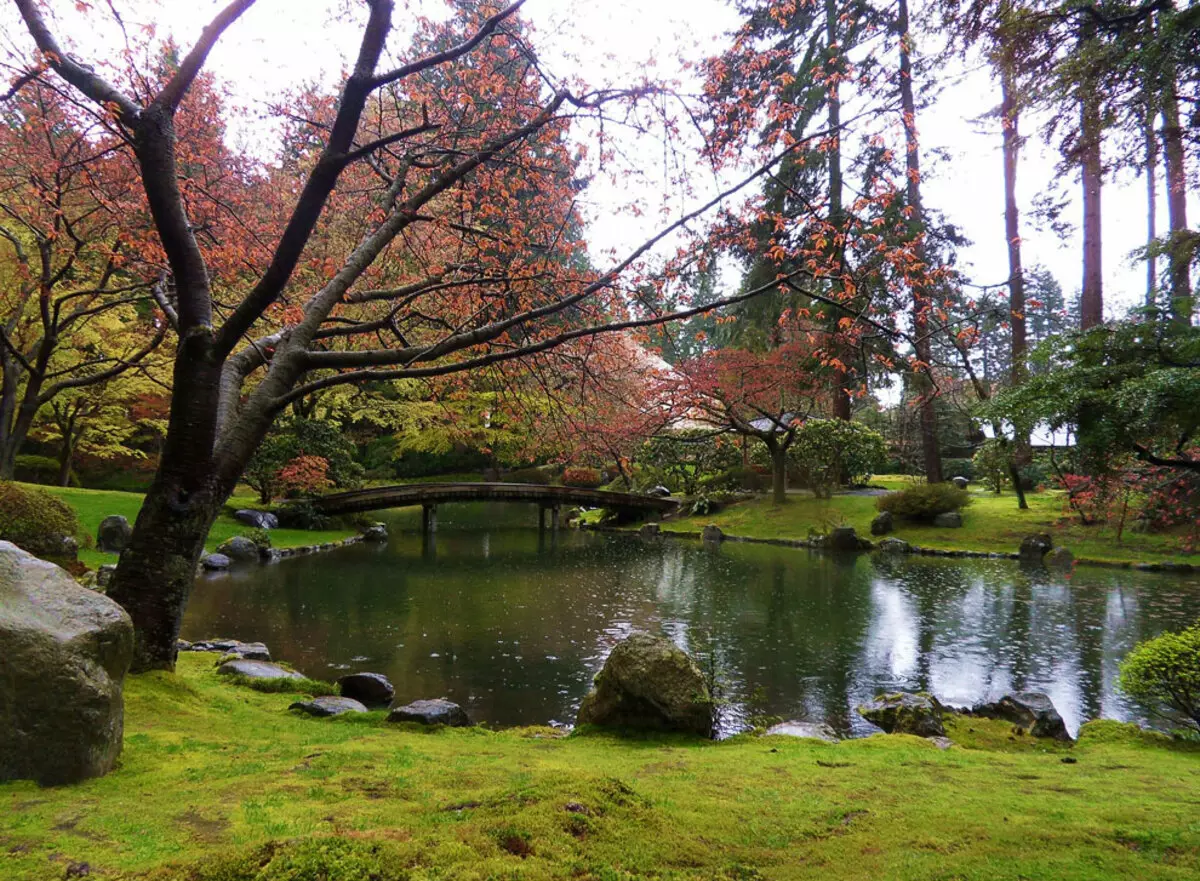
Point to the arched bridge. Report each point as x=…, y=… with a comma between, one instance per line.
x=430, y=495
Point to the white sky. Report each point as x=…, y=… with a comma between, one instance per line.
x=281, y=42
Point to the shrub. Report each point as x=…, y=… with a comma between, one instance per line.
x=829, y=450
x=36, y=469
x=302, y=514
x=1033, y=475
x=304, y=476
x=991, y=463
x=924, y=501
x=260, y=537
x=35, y=520
x=958, y=468
x=1164, y=674
x=739, y=478
x=537, y=476
x=589, y=478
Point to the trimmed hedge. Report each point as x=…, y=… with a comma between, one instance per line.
x=924, y=501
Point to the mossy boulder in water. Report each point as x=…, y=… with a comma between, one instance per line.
x=903, y=713
x=649, y=683
x=64, y=652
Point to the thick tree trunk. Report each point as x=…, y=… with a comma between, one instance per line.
x=1178, y=251
x=778, y=470
x=930, y=451
x=1010, y=119
x=1091, y=301
x=841, y=377
x=1151, y=206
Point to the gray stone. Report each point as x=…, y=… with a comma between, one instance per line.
x=813, y=730
x=113, y=534
x=257, y=670
x=949, y=520
x=370, y=688
x=1035, y=547
x=883, y=523
x=438, y=711
x=904, y=713
x=648, y=682
x=1032, y=710
x=960, y=482
x=257, y=519
x=65, y=654
x=215, y=562
x=376, y=532
x=894, y=546
x=650, y=530
x=941, y=742
x=712, y=533
x=329, y=706
x=244, y=651
x=104, y=575
x=240, y=548
x=842, y=538
x=1059, y=558
x=658, y=492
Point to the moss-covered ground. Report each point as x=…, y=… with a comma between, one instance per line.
x=92, y=506
x=222, y=783
x=991, y=523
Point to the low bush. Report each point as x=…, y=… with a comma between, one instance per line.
x=34, y=520
x=260, y=537
x=36, y=469
x=538, y=476
x=924, y=501
x=1164, y=674
x=731, y=479
x=302, y=514
x=588, y=478
x=1034, y=475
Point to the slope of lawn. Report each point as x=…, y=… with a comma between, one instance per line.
x=991, y=523
x=92, y=506
x=222, y=783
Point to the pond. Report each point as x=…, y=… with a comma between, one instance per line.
x=513, y=626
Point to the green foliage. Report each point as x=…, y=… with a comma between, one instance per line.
x=681, y=459
x=260, y=537
x=302, y=437
x=710, y=502
x=33, y=519
x=827, y=451
x=36, y=469
x=1164, y=673
x=991, y=463
x=924, y=501
x=536, y=476
x=739, y=478
x=302, y=514
x=956, y=468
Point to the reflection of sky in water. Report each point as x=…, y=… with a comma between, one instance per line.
x=515, y=628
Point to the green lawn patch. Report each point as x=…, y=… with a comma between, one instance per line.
x=222, y=783
x=92, y=506
x=991, y=524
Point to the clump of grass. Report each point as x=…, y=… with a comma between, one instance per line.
x=313, y=687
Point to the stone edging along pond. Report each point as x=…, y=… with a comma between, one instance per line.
x=818, y=544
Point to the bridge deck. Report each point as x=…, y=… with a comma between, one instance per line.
x=377, y=498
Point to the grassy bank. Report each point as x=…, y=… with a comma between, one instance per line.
x=222, y=783
x=92, y=506
x=991, y=523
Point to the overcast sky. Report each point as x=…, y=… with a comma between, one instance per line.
x=281, y=42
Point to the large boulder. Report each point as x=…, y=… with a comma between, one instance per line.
x=843, y=539
x=239, y=548
x=1035, y=547
x=372, y=689
x=712, y=533
x=650, y=683
x=438, y=711
x=215, y=562
x=813, y=730
x=376, y=532
x=1032, y=710
x=64, y=652
x=883, y=523
x=257, y=670
x=113, y=534
x=904, y=713
x=1059, y=558
x=894, y=546
x=257, y=519
x=949, y=520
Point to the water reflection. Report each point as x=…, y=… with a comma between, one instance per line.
x=514, y=626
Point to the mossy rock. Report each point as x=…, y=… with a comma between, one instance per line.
x=904, y=713
x=649, y=683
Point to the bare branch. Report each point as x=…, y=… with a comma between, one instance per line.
x=174, y=91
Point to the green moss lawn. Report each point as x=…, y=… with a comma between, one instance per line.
x=991, y=523
x=222, y=783
x=93, y=505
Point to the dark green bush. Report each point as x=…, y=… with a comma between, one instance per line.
x=36, y=469
x=958, y=468
x=302, y=514
x=924, y=501
x=261, y=537
x=1034, y=475
x=1164, y=674
x=35, y=520
x=539, y=476
x=739, y=478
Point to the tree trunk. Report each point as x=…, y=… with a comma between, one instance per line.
x=1179, y=251
x=778, y=472
x=1091, y=301
x=841, y=377
x=921, y=302
x=1151, y=206
x=66, y=454
x=1010, y=119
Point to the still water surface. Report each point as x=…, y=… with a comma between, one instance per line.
x=514, y=628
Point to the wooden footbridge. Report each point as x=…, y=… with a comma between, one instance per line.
x=430, y=495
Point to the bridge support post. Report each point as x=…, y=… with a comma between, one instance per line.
x=428, y=519
x=554, y=518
